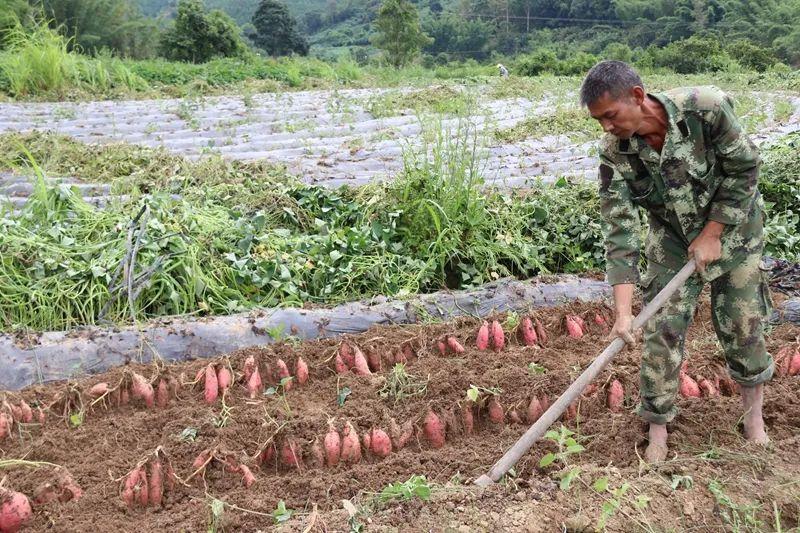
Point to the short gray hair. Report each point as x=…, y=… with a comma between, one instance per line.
x=613, y=77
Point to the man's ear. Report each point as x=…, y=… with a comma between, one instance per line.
x=637, y=94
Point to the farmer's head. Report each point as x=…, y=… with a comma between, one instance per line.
x=613, y=92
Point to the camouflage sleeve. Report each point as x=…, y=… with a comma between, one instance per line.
x=621, y=226
x=739, y=161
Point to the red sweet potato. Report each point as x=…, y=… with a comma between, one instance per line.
x=688, y=387
x=545, y=402
x=513, y=417
x=534, y=410
x=400, y=435
x=380, y=443
x=15, y=510
x=98, y=389
x=434, y=429
x=142, y=389
x=527, y=332
x=541, y=333
x=144, y=489
x=301, y=371
x=408, y=352
x=224, y=377
x=339, y=364
x=482, y=340
x=590, y=390
x=366, y=442
x=374, y=360
x=40, y=415
x=616, y=395
x=498, y=336
x=162, y=393
x=16, y=412
x=794, y=365
x=351, y=446
x=467, y=418
x=124, y=396
x=454, y=345
x=249, y=367
x=291, y=454
x=6, y=422
x=26, y=412
x=442, y=347
x=156, y=488
x=248, y=478
x=496, y=414
x=283, y=373
x=571, y=412
x=201, y=460
x=347, y=354
x=254, y=383
x=783, y=360
x=266, y=455
x=129, y=487
x=599, y=320
x=573, y=328
x=333, y=446
x=211, y=385
x=360, y=365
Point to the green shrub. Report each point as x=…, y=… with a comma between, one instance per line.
x=198, y=36
x=751, y=55
x=692, y=55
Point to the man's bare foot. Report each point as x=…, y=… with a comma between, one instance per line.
x=656, y=451
x=752, y=400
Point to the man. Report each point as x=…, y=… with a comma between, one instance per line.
x=682, y=156
x=503, y=70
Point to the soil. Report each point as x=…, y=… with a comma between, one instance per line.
x=713, y=480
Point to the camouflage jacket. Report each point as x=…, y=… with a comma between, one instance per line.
x=708, y=170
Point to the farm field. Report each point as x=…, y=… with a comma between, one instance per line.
x=419, y=473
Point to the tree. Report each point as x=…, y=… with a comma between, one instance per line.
x=276, y=30
x=398, y=32
x=199, y=36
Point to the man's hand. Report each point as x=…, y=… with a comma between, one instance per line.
x=707, y=247
x=622, y=329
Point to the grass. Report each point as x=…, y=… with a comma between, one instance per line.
x=573, y=122
x=440, y=99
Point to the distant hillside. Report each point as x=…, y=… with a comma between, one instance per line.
x=240, y=10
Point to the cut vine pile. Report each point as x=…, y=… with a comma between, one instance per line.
x=149, y=446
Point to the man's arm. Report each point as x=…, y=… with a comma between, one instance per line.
x=621, y=226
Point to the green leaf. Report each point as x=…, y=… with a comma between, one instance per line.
x=270, y=391
x=601, y=484
x=217, y=508
x=342, y=396
x=566, y=481
x=76, y=419
x=547, y=460
x=552, y=435
x=575, y=448
x=642, y=501
x=286, y=380
x=473, y=393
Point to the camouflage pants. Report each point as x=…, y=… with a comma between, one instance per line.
x=740, y=303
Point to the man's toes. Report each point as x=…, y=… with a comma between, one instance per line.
x=655, y=453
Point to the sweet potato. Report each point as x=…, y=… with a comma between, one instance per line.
x=688, y=387
x=590, y=390
x=129, y=487
x=248, y=478
x=727, y=386
x=496, y=414
x=573, y=328
x=541, y=333
x=224, y=378
x=162, y=393
x=333, y=446
x=249, y=367
x=16, y=412
x=599, y=320
x=317, y=455
x=254, y=383
x=442, y=347
x=6, y=422
x=201, y=460
x=467, y=418
x=124, y=396
x=707, y=388
x=265, y=455
x=571, y=411
x=513, y=417
x=144, y=489
x=794, y=365
x=291, y=454
x=156, y=488
x=400, y=435
x=366, y=442
x=400, y=357
x=380, y=443
x=616, y=395
x=498, y=336
x=211, y=385
x=70, y=489
x=527, y=332
x=454, y=345
x=301, y=371
x=434, y=429
x=283, y=374
x=408, y=352
x=783, y=360
x=340, y=365
x=373, y=359
x=545, y=402
x=142, y=389
x=347, y=354
x=482, y=340
x=351, y=446
x=534, y=410
x=15, y=510
x=40, y=415
x=98, y=389
x=26, y=412
x=360, y=365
